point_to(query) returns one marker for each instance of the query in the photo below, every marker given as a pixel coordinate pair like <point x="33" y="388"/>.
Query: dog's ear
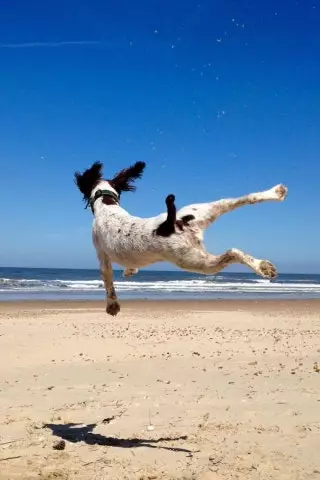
<point x="87" y="180"/>
<point x="123" y="181"/>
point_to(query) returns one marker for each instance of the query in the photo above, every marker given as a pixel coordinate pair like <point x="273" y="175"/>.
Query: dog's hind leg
<point x="207" y="213"/>
<point x="200" y="261"/>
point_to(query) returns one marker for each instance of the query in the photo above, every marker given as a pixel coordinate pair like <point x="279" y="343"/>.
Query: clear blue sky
<point x="220" y="98"/>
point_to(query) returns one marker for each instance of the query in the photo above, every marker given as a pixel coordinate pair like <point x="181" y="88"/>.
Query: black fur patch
<point x="109" y="201"/>
<point x="87" y="180"/>
<point x="123" y="181"/>
<point x="187" y="218"/>
<point x="167" y="228"/>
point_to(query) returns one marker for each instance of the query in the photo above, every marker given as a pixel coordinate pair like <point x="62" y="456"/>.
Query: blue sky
<point x="220" y="98"/>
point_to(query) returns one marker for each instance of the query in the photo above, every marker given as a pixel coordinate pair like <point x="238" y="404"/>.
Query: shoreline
<point x="181" y="305"/>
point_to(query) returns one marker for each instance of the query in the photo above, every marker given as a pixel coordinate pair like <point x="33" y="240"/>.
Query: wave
<point x="206" y="285"/>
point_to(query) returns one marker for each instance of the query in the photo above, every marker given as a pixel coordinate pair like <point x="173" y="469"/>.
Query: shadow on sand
<point x="71" y="432"/>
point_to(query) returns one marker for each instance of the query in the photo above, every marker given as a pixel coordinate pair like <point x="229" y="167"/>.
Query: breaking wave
<point x="205" y="285"/>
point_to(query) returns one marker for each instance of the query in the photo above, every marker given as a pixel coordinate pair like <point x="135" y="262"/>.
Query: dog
<point x="175" y="237"/>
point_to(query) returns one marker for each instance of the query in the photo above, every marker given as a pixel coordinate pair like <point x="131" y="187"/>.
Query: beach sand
<point x="166" y="390"/>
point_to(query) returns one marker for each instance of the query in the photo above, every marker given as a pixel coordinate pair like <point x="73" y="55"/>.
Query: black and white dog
<point x="175" y="237"/>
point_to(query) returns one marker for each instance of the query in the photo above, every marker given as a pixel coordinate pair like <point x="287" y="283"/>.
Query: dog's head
<point x="123" y="181"/>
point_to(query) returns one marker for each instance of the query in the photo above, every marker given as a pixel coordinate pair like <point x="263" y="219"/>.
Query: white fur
<point x="131" y="242"/>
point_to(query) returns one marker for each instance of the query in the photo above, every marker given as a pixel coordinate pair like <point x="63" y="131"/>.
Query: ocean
<point x="59" y="284"/>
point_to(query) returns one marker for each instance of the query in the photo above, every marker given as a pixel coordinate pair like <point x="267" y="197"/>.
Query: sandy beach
<point x="167" y="390"/>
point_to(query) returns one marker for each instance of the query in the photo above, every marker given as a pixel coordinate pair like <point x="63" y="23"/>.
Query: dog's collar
<point x="103" y="193"/>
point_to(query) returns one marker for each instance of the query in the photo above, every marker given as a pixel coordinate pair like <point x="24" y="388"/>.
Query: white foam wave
<point x="204" y="285"/>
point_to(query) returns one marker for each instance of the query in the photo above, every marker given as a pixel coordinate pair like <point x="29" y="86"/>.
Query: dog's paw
<point x="266" y="269"/>
<point x="128" y="272"/>
<point x="279" y="192"/>
<point x="113" y="307"/>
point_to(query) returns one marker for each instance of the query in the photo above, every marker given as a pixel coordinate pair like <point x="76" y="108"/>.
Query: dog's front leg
<point x="113" y="306"/>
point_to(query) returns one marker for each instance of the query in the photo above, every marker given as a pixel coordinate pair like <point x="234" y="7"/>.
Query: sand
<point x="180" y="390"/>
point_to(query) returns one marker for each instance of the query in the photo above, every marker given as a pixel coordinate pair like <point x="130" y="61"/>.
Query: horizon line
<point x="160" y="271"/>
